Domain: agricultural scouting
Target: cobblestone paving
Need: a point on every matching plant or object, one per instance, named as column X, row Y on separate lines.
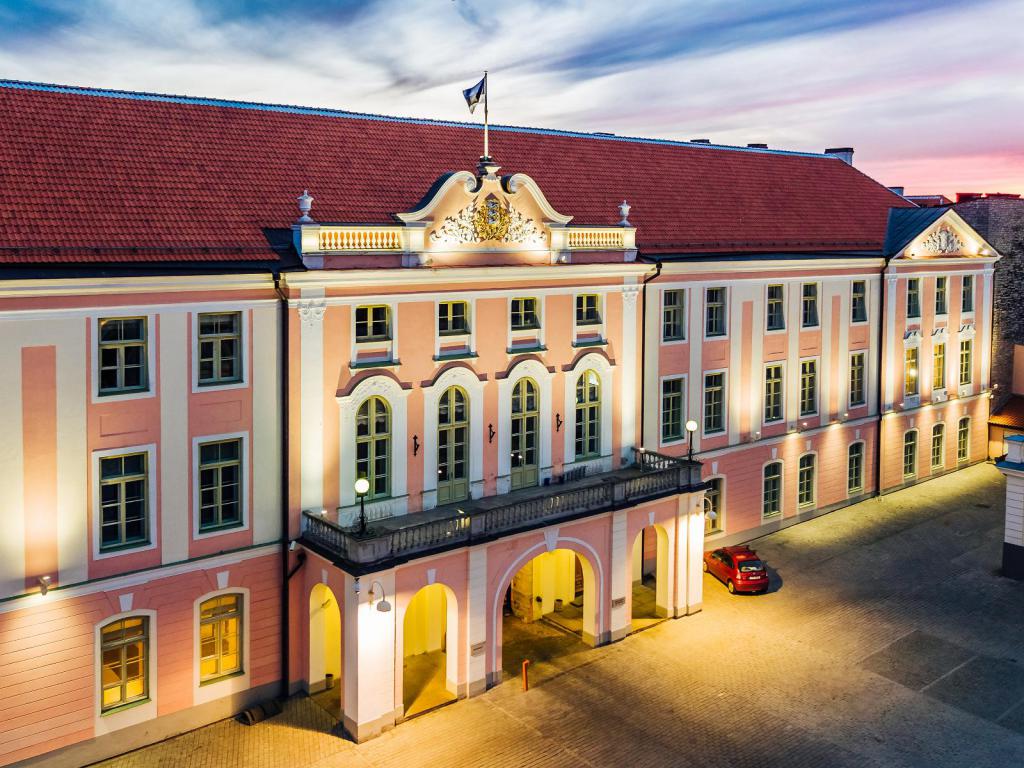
column 888, row 640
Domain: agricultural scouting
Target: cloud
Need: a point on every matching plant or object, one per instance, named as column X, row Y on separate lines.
column 928, row 92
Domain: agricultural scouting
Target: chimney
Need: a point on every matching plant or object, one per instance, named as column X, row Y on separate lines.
column 897, row 190
column 700, row 141
column 758, row 146
column 843, row 153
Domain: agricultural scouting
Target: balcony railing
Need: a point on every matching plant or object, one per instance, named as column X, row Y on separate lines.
column 398, row 539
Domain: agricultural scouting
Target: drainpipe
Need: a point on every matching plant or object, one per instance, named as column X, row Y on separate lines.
column 285, row 574
column 643, row 346
column 881, row 361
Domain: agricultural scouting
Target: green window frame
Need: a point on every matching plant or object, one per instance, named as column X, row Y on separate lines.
column 858, row 390
column 966, row 362
column 452, row 318
column 775, row 308
column 373, row 446
column 771, row 498
column 913, row 297
column 220, row 484
column 938, row 446
column 588, row 415
column 588, row 309
column 967, row 294
column 373, row 322
column 773, row 406
column 673, row 311
column 808, row 387
column 672, row 395
column 220, row 348
column 714, row 403
column 859, row 302
column 220, row 637
column 939, row 366
column 124, row 662
column 124, row 500
column 855, row 468
column 714, row 312
column 910, row 454
column 941, row 295
column 523, row 314
column 809, row 305
column 911, row 377
column 805, row 480
column 963, row 439
column 123, row 350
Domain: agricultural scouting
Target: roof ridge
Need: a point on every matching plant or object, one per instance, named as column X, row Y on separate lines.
column 341, row 113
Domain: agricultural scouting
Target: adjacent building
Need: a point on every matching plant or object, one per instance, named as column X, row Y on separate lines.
column 300, row 400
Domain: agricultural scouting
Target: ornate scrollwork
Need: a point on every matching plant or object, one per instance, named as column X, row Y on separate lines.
column 943, row 241
column 492, row 221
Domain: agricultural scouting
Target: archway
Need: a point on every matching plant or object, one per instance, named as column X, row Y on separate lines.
column 549, row 612
column 650, row 577
column 325, row 662
column 430, row 661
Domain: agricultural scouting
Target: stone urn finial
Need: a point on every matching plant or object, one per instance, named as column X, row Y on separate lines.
column 624, row 208
column 305, row 205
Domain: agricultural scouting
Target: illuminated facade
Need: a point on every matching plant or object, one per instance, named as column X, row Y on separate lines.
column 368, row 444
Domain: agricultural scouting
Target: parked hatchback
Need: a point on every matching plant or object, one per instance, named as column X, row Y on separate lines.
column 739, row 568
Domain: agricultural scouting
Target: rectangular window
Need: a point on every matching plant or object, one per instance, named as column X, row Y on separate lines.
column 963, row 439
column 967, row 294
column 220, row 484
column 910, row 371
column 858, row 392
column 714, row 401
column 913, row 297
column 859, row 302
column 124, row 507
column 939, row 367
column 809, row 317
column 672, row 409
column 775, row 319
column 588, row 309
column 713, row 494
column 714, row 309
column 773, row 393
column 805, row 481
column 910, row 454
column 372, row 323
column 941, row 285
column 124, row 652
column 123, row 355
column 855, row 468
column 220, row 348
column 673, row 319
column 808, row 387
column 772, row 497
column 452, row 318
column 966, row 362
column 220, row 637
column 938, row 446
column 524, row 315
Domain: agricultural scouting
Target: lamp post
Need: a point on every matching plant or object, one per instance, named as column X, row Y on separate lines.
column 691, row 427
column 362, row 486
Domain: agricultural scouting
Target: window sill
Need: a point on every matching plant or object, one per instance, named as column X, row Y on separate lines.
column 223, row 528
column 373, row 340
column 116, row 549
column 594, row 343
column 386, row 363
column 524, row 328
column 453, row 334
column 221, row 679
column 455, row 356
column 531, row 348
column 125, row 707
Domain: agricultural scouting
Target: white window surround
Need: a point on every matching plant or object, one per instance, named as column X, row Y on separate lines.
column 817, row 387
column 232, row 684
column 602, row 311
column 245, row 321
column 600, row 365
column 685, row 318
column 917, row 452
column 782, row 490
column 464, row 378
column 863, row 468
column 725, row 403
column 132, row 714
column 683, row 416
column 814, row 489
column 785, row 314
column 867, row 383
column 151, row 471
column 469, row 338
column 531, row 369
column 529, row 333
column 245, row 481
column 94, row 356
column 397, row 399
column 819, row 304
column 391, row 344
column 867, row 301
column 762, row 400
column 704, row 288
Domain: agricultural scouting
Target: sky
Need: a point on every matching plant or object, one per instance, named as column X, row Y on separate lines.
column 930, row 93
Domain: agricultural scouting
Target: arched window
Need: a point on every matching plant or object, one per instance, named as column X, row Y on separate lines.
column 963, row 439
column 588, row 415
column 805, row 481
column 910, row 453
column 938, row 446
column 525, row 418
column 452, row 445
column 373, row 446
column 855, row 468
column 220, row 637
column 772, row 497
column 124, row 654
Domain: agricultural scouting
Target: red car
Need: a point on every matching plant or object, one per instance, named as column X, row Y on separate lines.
column 739, row 568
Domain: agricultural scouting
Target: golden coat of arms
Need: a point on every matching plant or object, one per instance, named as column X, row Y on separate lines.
column 491, row 219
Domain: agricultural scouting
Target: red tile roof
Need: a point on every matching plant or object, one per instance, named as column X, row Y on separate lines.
column 89, row 175
column 1010, row 414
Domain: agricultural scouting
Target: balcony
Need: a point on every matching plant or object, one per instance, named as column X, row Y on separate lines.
column 395, row 540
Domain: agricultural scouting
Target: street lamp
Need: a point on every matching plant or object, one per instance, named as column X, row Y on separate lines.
column 362, row 486
column 691, row 427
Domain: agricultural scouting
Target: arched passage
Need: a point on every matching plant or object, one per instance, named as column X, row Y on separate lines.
column 325, row 661
column 650, row 577
column 430, row 633
column 549, row 611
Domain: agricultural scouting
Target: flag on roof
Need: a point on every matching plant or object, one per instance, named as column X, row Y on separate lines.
column 475, row 93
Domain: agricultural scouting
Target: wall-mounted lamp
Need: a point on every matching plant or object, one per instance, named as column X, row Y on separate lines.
column 558, row 422
column 709, row 509
column 382, row 605
column 490, row 433
column 44, row 584
column 691, row 429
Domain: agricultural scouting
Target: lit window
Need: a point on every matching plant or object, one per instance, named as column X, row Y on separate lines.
column 772, row 497
column 910, row 372
column 673, row 316
column 523, row 314
column 965, row 362
column 523, row 432
column 967, row 294
column 122, row 356
column 588, row 415
column 714, row 308
column 938, row 446
column 855, row 468
column 963, row 439
column 775, row 319
column 715, row 504
column 452, row 446
column 220, row 637
column 588, row 310
column 808, row 387
column 810, row 305
column 220, row 489
column 939, row 367
column 220, row 348
column 913, row 297
column 125, row 662
column 452, row 318
column 671, row 409
column 714, row 401
column 910, row 454
column 773, row 393
column 859, row 302
column 941, row 285
column 373, row 323
column 124, row 508
column 858, row 394
column 373, row 446
column 805, row 481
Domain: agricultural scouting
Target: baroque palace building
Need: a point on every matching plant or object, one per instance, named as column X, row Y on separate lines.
column 248, row 455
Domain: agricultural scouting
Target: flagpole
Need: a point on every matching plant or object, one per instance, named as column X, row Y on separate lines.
column 487, row 153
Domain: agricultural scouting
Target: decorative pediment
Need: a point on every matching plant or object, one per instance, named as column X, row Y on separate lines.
column 946, row 236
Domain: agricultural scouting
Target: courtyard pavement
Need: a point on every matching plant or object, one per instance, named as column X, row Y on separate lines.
column 888, row 639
